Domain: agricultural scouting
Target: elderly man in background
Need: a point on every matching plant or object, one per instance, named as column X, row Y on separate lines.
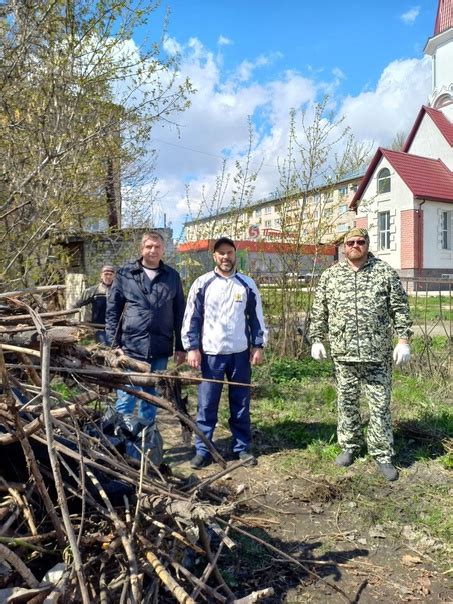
column 97, row 296
column 144, row 316
column 359, row 304
column 224, row 334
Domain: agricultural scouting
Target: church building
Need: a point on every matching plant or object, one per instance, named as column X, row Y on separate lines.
column 405, row 198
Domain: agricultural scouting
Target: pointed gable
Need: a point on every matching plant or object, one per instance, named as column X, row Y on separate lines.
column 444, row 17
column 441, row 121
column 425, row 177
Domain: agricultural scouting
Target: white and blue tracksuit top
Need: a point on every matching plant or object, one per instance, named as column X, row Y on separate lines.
column 223, row 315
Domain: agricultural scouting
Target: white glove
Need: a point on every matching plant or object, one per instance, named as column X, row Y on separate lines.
column 402, row 354
column 318, row 352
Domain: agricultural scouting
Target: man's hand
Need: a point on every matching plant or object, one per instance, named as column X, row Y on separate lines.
column 318, row 352
column 194, row 358
column 180, row 357
column 402, row 353
column 256, row 356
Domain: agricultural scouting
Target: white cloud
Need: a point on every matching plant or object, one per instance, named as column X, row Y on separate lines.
column 171, row 46
column 410, row 16
column 224, row 41
column 338, row 73
column 216, row 124
column 377, row 115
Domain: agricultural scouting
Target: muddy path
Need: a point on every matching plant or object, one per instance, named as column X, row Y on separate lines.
column 329, row 527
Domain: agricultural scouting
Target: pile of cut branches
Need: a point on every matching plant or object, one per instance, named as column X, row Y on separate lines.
column 80, row 521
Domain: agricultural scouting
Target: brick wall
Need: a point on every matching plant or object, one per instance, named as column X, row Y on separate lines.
column 88, row 253
column 411, row 239
column 362, row 223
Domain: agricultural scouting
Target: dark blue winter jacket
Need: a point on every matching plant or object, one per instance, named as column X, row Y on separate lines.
column 142, row 315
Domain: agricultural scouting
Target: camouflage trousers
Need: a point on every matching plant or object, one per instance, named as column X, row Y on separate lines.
column 375, row 380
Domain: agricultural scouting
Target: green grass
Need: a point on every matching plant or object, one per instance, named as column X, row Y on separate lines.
column 431, row 308
column 294, row 414
column 63, row 389
column 276, row 299
column 436, row 343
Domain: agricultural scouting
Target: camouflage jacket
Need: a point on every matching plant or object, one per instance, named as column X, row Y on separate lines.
column 360, row 311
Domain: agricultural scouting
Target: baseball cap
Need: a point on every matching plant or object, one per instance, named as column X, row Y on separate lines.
column 108, row 268
column 223, row 240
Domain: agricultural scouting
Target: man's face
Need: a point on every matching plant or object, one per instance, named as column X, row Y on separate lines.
column 152, row 251
column 225, row 258
column 107, row 277
column 356, row 247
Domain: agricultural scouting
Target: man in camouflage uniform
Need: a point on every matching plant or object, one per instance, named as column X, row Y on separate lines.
column 359, row 303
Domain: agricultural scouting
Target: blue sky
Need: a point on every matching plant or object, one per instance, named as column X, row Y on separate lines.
column 358, row 37
column 260, row 59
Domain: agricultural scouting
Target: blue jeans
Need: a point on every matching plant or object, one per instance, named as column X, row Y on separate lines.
column 236, row 367
column 125, row 402
column 100, row 337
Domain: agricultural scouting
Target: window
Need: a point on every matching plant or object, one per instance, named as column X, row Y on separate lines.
column 383, row 181
column 95, row 225
column 445, row 230
column 343, row 209
column 342, row 228
column 268, row 210
column 384, row 230
column 258, row 212
column 343, row 191
column 268, row 223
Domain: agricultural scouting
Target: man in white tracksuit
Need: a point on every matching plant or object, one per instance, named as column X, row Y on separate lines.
column 224, row 334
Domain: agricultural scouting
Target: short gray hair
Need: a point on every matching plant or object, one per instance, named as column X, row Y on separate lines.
column 151, row 235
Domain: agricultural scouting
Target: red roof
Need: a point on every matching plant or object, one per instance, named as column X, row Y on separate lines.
column 439, row 118
column 444, row 18
column 427, row 178
column 206, row 245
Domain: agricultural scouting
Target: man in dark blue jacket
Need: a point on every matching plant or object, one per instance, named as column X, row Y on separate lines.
column 144, row 316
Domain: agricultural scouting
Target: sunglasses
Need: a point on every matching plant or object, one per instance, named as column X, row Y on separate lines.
column 355, row 242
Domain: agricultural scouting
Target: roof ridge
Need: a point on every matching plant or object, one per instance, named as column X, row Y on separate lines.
column 407, row 154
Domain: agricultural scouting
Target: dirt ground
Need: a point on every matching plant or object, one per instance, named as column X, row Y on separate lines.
column 319, row 522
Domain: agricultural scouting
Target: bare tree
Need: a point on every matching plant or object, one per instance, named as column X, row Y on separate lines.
column 398, row 141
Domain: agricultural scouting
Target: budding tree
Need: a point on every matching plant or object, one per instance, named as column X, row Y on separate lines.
column 78, row 102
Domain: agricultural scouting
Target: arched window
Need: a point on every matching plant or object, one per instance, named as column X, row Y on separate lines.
column 383, row 181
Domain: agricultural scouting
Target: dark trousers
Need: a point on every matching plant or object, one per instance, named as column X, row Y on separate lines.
column 236, row 368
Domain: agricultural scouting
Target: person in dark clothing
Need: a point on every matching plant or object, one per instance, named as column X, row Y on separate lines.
column 144, row 316
column 97, row 296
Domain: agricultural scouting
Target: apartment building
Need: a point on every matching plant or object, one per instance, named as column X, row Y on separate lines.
column 319, row 215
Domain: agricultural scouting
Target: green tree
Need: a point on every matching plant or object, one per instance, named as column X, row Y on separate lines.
column 78, row 103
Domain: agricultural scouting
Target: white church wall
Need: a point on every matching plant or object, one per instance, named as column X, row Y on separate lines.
column 442, row 63
column 429, row 142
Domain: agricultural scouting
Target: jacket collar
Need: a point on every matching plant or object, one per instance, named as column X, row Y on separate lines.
column 217, row 274
column 138, row 266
